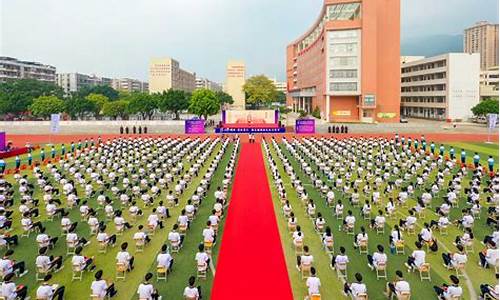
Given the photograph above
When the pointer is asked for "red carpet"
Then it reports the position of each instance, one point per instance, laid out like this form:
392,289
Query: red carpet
251,262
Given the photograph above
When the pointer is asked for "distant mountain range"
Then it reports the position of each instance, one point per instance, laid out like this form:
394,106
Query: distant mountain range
432,45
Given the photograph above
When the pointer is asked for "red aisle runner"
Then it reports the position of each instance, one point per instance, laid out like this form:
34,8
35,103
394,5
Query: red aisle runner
251,262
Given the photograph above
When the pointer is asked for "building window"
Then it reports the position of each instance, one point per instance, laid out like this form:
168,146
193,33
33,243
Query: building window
348,11
343,86
353,73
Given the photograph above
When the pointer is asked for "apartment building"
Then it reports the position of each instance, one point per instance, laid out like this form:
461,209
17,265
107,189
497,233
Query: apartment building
129,85
74,82
165,73
482,38
12,68
204,83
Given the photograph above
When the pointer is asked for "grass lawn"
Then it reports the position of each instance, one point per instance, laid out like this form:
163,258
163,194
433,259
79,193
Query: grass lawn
184,265
331,285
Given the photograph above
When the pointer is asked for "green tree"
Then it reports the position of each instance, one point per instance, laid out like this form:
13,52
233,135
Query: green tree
259,90
105,90
143,104
316,113
17,95
44,106
174,101
224,98
78,108
98,101
203,103
115,109
280,97
487,106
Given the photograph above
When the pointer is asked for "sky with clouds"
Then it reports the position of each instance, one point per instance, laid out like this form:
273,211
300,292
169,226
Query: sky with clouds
116,38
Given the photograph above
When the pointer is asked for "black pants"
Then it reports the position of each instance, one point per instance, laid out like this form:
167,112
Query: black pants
482,259
112,239
111,291
370,259
11,240
19,267
37,225
392,287
56,262
439,291
59,293
485,290
131,264
411,262
22,292
447,259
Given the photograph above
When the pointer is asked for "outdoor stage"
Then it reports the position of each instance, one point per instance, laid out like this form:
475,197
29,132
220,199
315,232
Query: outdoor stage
250,121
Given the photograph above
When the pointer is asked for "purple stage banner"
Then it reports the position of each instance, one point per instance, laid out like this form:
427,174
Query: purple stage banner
305,126
2,141
194,126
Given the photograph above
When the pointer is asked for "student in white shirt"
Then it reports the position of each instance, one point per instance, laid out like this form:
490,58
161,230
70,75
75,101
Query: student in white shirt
174,237
146,289
125,258
491,291
83,261
417,258
447,292
10,291
8,265
164,259
202,257
141,235
101,288
305,259
192,292
313,283
398,287
355,288
49,291
489,256
377,258
341,258
452,260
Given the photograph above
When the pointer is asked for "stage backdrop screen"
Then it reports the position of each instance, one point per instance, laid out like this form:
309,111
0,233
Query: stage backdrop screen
2,141
195,126
305,126
251,117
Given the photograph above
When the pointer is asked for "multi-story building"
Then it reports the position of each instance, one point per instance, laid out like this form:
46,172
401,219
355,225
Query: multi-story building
235,79
488,83
12,68
203,83
409,58
165,73
130,85
73,82
482,38
280,85
443,87
347,64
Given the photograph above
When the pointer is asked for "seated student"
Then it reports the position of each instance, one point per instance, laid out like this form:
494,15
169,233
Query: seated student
202,257
341,258
488,290
425,234
146,289
174,237
355,288
10,291
409,221
101,288
467,220
66,224
102,237
330,196
442,222
82,261
45,240
164,259
8,265
297,236
28,224
48,263
398,287
123,257
395,237
134,210
313,283
120,222
349,221
191,292
447,292
292,222
7,239
339,209
52,210
366,209
49,291
361,238
378,221
320,222
465,239
327,238
72,238
162,210
417,258
305,260
154,220
141,235
378,258
208,233
489,256
452,260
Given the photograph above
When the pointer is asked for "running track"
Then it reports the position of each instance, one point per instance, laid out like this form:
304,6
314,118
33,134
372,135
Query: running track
251,261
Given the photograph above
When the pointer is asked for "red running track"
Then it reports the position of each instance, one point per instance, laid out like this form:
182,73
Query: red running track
251,261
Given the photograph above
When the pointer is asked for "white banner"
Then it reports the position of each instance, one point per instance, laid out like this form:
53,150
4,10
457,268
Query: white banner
492,120
54,123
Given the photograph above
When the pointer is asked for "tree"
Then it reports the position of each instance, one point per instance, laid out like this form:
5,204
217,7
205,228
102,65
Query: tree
143,104
17,95
316,113
115,109
259,90
98,101
44,106
487,106
174,101
224,98
105,90
203,103
78,108
280,97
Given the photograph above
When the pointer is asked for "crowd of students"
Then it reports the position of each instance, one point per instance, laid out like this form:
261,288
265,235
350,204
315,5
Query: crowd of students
111,183
378,176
